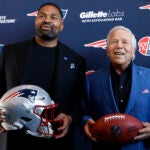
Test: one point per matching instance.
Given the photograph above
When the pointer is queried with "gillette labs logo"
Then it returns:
(64, 11)
(98, 44)
(101, 16)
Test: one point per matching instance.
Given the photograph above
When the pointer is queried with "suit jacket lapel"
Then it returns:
(63, 67)
(107, 85)
(60, 73)
(135, 80)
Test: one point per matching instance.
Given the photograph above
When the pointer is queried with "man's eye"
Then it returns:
(55, 17)
(40, 16)
(113, 41)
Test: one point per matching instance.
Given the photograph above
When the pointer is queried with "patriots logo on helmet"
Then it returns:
(26, 93)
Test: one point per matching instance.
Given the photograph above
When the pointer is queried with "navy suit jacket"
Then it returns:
(99, 98)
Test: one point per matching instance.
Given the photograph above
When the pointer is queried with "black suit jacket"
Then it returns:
(70, 74)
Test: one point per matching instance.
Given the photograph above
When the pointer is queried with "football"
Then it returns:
(116, 128)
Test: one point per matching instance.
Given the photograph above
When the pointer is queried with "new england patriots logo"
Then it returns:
(26, 93)
(64, 11)
(145, 7)
(98, 44)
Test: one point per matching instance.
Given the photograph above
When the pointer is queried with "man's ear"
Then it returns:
(62, 26)
(107, 52)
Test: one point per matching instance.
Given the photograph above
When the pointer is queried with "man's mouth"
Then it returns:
(119, 53)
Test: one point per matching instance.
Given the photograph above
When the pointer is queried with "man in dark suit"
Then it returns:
(48, 63)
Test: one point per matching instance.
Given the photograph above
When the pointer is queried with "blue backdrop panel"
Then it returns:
(86, 26)
(85, 22)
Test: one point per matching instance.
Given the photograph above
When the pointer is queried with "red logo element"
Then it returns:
(97, 44)
(144, 46)
(145, 7)
(32, 14)
(64, 11)
(145, 91)
(89, 72)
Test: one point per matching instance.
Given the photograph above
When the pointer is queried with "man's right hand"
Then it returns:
(1, 120)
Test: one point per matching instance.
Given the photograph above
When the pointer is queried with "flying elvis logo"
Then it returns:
(26, 93)
(145, 7)
(64, 11)
(98, 44)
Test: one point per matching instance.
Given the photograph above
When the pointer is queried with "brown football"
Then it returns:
(116, 128)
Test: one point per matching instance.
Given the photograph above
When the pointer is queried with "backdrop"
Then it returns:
(86, 26)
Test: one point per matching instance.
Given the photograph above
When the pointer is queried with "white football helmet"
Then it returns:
(29, 107)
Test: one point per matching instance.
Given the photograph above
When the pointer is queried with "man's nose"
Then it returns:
(119, 44)
(47, 19)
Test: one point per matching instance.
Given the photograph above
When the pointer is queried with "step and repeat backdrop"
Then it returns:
(86, 26)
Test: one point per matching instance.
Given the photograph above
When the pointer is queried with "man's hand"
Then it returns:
(144, 133)
(67, 120)
(1, 120)
(87, 127)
